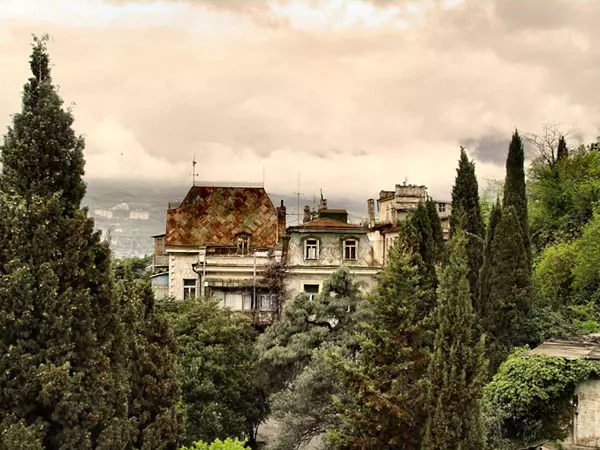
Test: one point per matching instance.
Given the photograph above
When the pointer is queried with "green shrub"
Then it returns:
(227, 444)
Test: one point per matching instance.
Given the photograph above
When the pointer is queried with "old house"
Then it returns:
(394, 206)
(218, 242)
(585, 424)
(324, 243)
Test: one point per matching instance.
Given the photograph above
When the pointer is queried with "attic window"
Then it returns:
(243, 244)
(441, 207)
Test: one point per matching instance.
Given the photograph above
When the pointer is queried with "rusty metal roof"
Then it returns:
(212, 215)
(586, 347)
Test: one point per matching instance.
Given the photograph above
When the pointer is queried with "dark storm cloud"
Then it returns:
(492, 147)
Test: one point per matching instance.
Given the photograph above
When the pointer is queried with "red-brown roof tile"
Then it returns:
(216, 215)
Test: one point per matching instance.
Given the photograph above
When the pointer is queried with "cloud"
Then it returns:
(354, 95)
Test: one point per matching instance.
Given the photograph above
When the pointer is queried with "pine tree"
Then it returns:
(456, 370)
(62, 374)
(514, 188)
(382, 404)
(466, 213)
(508, 288)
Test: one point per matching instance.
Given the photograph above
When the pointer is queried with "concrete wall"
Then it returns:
(586, 422)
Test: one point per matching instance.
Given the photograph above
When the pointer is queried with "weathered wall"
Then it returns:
(586, 425)
(330, 250)
(295, 281)
(180, 267)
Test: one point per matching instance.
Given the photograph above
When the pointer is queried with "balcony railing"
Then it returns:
(161, 260)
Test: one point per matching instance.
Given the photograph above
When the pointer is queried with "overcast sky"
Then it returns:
(355, 95)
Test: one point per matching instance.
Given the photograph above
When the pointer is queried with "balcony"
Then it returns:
(161, 260)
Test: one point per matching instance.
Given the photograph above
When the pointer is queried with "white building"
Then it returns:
(324, 243)
(218, 242)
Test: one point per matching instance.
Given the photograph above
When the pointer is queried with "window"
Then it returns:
(441, 207)
(268, 302)
(312, 290)
(243, 244)
(311, 249)
(350, 249)
(189, 288)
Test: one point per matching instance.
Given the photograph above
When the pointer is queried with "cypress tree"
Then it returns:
(381, 405)
(466, 211)
(456, 370)
(514, 188)
(424, 235)
(484, 274)
(508, 288)
(155, 400)
(63, 382)
(562, 152)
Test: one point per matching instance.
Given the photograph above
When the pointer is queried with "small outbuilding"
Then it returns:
(585, 425)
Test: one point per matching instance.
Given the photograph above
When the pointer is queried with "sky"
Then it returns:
(351, 97)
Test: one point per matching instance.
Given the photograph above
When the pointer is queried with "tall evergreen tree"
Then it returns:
(484, 274)
(514, 188)
(562, 152)
(155, 400)
(456, 371)
(466, 213)
(382, 402)
(423, 234)
(508, 289)
(63, 380)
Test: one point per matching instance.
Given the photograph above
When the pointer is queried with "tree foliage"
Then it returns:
(302, 380)
(217, 366)
(227, 444)
(63, 377)
(381, 406)
(155, 399)
(457, 367)
(509, 289)
(466, 214)
(529, 399)
(514, 188)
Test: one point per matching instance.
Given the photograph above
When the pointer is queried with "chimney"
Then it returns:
(281, 213)
(371, 209)
(307, 214)
(322, 202)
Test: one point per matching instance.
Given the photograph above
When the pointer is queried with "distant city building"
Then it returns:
(121, 210)
(139, 214)
(105, 213)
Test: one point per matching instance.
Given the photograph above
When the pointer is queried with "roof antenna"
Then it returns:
(194, 171)
(298, 202)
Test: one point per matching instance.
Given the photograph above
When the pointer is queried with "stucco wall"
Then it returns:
(586, 424)
(180, 267)
(330, 250)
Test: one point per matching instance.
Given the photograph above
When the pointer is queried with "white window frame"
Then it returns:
(311, 246)
(189, 289)
(348, 246)
(442, 207)
(243, 244)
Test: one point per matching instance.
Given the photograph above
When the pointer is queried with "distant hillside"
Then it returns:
(132, 237)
